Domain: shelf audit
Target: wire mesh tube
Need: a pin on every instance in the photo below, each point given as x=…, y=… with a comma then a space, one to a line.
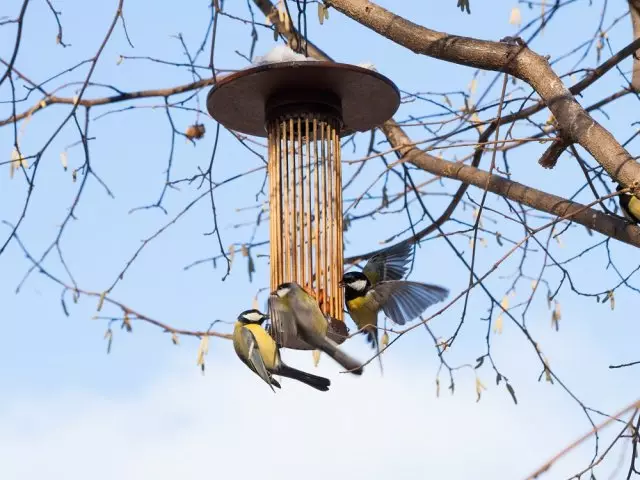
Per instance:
x=305, y=198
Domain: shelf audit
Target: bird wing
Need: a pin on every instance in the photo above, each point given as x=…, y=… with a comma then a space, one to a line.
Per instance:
x=306, y=314
x=633, y=205
x=337, y=331
x=402, y=300
x=254, y=357
x=313, y=328
x=391, y=264
x=293, y=343
x=629, y=204
x=303, y=311
x=283, y=322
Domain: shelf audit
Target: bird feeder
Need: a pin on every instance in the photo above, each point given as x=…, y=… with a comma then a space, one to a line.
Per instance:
x=304, y=108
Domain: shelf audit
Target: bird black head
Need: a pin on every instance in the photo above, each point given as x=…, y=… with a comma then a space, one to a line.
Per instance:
x=252, y=316
x=357, y=281
x=284, y=288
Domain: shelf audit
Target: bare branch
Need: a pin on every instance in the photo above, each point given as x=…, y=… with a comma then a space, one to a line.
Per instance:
x=516, y=60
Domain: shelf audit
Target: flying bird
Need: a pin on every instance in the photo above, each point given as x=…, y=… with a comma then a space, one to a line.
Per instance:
x=379, y=287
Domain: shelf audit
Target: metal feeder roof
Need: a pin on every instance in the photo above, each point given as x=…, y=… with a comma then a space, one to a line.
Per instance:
x=238, y=101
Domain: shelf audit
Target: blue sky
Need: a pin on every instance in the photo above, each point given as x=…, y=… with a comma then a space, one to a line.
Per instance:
x=69, y=410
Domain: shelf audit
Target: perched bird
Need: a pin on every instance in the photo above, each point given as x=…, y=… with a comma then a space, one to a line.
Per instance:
x=629, y=204
x=380, y=287
x=296, y=314
x=258, y=351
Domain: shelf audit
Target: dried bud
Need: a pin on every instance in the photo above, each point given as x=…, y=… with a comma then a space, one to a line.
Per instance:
x=515, y=17
x=479, y=388
x=195, y=131
x=203, y=349
x=316, y=357
x=498, y=324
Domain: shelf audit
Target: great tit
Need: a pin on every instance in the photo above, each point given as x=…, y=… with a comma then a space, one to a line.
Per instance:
x=258, y=351
x=336, y=331
x=380, y=287
x=629, y=204
x=296, y=314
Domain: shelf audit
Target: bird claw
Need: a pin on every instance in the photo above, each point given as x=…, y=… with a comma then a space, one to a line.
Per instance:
x=514, y=41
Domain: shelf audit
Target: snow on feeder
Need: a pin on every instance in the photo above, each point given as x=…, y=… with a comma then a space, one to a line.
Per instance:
x=304, y=108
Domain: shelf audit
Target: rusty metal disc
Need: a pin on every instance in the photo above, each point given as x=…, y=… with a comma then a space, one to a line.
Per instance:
x=238, y=101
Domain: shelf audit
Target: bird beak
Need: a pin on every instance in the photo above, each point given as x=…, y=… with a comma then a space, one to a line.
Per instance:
x=341, y=284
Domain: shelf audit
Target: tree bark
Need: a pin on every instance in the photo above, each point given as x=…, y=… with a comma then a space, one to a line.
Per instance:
x=634, y=10
x=611, y=226
x=576, y=124
x=614, y=227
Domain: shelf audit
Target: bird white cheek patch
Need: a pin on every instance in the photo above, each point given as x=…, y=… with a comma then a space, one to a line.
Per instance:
x=253, y=317
x=359, y=285
x=283, y=291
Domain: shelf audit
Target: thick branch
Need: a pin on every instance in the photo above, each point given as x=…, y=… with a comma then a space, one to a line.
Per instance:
x=516, y=60
x=313, y=51
x=634, y=10
x=608, y=225
x=292, y=36
x=615, y=227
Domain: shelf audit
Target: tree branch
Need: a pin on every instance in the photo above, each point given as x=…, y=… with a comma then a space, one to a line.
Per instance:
x=20, y=22
x=121, y=97
x=634, y=10
x=517, y=60
x=615, y=227
x=634, y=406
x=590, y=218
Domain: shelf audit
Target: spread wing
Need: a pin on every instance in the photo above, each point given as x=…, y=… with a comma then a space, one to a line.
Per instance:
x=254, y=358
x=283, y=323
x=402, y=301
x=390, y=264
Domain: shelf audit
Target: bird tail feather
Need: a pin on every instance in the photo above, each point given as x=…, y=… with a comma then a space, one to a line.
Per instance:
x=319, y=383
x=372, y=338
x=348, y=363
